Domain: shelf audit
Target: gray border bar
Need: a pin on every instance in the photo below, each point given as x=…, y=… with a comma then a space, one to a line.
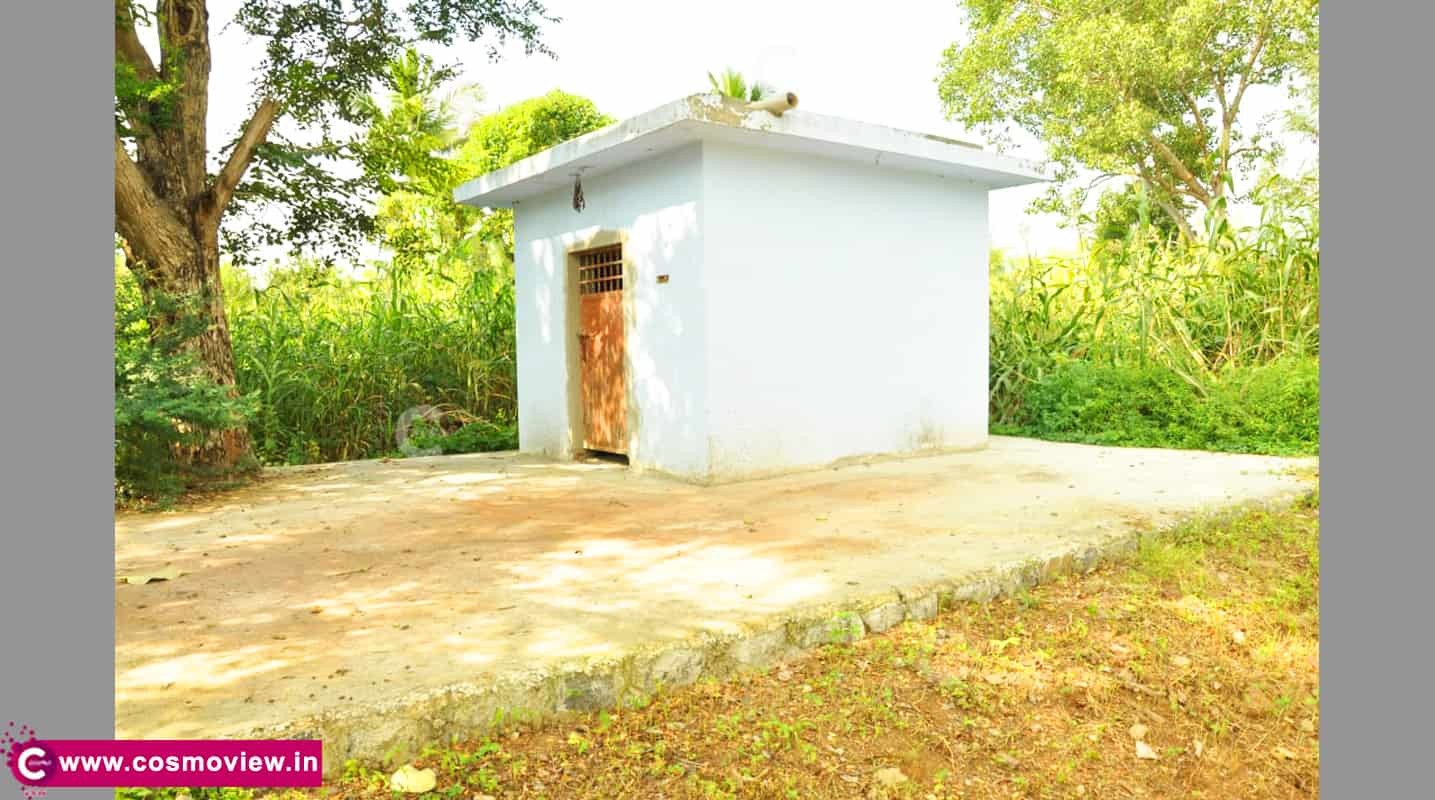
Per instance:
x=56, y=325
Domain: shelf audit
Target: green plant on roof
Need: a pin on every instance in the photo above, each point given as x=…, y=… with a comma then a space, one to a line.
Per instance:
x=731, y=83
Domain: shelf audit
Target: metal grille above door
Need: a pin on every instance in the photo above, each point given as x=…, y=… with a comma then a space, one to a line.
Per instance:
x=601, y=270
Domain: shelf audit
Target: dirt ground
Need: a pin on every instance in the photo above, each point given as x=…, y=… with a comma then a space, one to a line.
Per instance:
x=350, y=585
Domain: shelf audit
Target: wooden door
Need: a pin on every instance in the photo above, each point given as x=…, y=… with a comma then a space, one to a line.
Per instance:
x=600, y=351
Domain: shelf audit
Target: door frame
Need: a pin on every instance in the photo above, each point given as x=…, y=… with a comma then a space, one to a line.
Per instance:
x=601, y=238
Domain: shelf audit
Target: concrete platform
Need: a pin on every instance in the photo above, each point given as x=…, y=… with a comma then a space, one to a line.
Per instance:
x=377, y=604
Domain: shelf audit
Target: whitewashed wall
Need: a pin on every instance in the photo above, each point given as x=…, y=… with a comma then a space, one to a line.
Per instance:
x=846, y=307
x=815, y=310
x=657, y=201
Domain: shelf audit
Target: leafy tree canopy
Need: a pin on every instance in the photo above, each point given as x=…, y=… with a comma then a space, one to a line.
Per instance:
x=418, y=219
x=1151, y=89
x=410, y=130
x=321, y=57
x=522, y=129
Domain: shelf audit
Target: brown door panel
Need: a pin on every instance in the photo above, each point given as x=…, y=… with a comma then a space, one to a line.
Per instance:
x=600, y=338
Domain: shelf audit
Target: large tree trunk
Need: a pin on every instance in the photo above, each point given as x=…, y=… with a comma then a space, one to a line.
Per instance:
x=167, y=207
x=184, y=284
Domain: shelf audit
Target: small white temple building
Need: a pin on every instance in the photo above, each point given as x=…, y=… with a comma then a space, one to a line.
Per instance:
x=720, y=292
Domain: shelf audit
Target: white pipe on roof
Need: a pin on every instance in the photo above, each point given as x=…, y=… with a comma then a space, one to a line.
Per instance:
x=776, y=104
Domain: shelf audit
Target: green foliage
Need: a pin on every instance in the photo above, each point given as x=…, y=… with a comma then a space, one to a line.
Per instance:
x=1151, y=90
x=164, y=402
x=155, y=96
x=1120, y=211
x=198, y=793
x=525, y=128
x=1270, y=408
x=476, y=436
x=1191, y=340
x=515, y=133
x=409, y=132
x=335, y=361
x=318, y=56
x=420, y=222
x=299, y=196
x=731, y=83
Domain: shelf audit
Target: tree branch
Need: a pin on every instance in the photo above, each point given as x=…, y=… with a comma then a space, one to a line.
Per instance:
x=143, y=218
x=1161, y=200
x=1245, y=80
x=128, y=45
x=1196, y=112
x=1187, y=177
x=256, y=130
x=1229, y=114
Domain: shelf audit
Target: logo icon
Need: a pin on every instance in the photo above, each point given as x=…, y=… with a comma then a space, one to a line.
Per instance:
x=425, y=417
x=31, y=761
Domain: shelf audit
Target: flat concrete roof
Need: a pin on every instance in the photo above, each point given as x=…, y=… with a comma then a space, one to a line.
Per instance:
x=713, y=118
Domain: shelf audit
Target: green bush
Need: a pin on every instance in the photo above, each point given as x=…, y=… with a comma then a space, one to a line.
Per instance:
x=477, y=436
x=1241, y=298
x=1272, y=408
x=164, y=403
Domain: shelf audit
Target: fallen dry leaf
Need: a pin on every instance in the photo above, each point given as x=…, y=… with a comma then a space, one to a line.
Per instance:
x=1144, y=750
x=412, y=780
x=1137, y=731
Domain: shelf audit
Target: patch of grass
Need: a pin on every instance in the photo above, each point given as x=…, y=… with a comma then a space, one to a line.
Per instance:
x=474, y=436
x=1205, y=643
x=1271, y=408
x=226, y=793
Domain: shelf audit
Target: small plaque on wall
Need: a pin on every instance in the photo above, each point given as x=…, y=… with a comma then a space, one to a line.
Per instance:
x=663, y=278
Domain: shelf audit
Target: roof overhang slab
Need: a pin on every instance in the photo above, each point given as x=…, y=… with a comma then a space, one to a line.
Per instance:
x=708, y=117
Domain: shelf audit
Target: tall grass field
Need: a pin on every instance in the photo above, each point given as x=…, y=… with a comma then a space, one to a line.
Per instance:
x=326, y=367
x=1212, y=345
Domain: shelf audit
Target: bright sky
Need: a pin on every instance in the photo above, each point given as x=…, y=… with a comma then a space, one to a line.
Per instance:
x=870, y=63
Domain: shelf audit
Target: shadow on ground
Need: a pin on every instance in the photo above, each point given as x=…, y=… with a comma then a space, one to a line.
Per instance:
x=352, y=585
